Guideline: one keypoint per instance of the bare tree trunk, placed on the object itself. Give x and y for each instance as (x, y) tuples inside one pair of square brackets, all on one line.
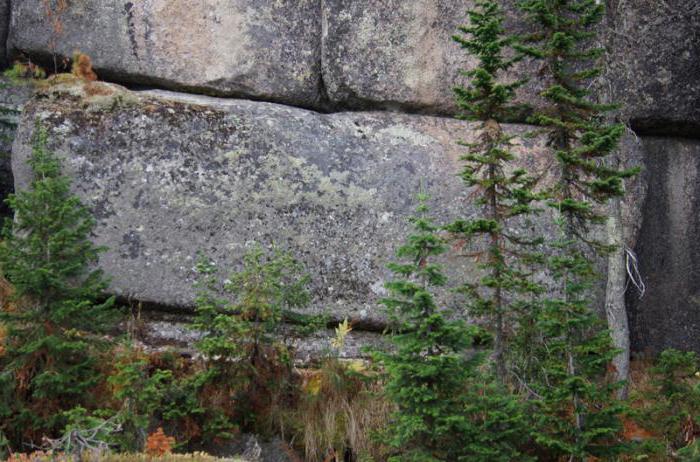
[(615, 295)]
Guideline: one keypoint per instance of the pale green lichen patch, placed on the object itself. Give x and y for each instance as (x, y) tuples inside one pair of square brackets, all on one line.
[(92, 96), (292, 181), (232, 156), (402, 134)]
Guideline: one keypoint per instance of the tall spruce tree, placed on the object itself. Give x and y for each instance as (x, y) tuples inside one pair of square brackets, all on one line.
[(506, 192), (577, 413), (447, 410), (50, 363)]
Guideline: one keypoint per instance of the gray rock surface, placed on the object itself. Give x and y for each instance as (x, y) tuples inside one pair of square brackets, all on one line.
[(655, 64), (354, 54), (668, 316), (13, 96), (399, 55), (253, 448), (4, 29), (168, 175), (161, 331), (263, 49)]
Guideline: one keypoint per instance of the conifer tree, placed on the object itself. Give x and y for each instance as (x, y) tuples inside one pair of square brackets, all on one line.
[(241, 331), (505, 192), (445, 409), (577, 413), (50, 363)]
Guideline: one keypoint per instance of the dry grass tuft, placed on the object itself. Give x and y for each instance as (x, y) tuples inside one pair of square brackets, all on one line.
[(53, 457), (341, 410)]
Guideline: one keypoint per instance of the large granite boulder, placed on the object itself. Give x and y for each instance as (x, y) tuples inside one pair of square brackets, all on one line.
[(655, 64), (356, 54), (168, 175), (668, 316), (262, 49)]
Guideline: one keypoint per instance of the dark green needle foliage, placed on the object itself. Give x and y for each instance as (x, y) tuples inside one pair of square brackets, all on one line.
[(242, 339), (54, 334), (505, 192), (578, 132), (576, 412), (444, 410), (485, 38)]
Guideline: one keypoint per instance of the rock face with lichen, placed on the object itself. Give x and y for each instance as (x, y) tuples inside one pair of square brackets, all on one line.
[(263, 49), (398, 55), (358, 54), (654, 64), (169, 175)]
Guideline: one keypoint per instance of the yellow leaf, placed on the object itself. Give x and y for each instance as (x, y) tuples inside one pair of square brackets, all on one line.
[(340, 333)]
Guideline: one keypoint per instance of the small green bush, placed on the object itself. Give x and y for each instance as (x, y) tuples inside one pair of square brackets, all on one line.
[(248, 364), (672, 403)]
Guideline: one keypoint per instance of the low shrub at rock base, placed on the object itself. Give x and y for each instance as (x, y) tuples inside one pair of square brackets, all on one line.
[(57, 457)]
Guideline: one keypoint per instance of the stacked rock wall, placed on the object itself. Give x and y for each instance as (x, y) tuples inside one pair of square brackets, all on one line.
[(169, 174)]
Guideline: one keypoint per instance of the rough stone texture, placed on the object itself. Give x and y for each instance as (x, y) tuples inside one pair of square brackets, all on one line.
[(252, 448), (4, 29), (13, 96), (361, 54), (159, 331), (668, 316), (399, 55), (263, 49), (171, 174), (655, 64)]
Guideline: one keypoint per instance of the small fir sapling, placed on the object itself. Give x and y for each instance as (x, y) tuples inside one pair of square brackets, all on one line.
[(444, 411), (241, 340), (54, 335), (505, 192)]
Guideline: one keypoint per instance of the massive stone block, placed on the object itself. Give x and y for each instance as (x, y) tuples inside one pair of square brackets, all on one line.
[(169, 175), (173, 175), (655, 63), (372, 54), (399, 55), (669, 250), (262, 49)]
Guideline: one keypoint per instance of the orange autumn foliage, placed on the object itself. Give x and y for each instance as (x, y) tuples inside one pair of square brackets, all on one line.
[(633, 432), (6, 292), (82, 67), (159, 444)]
